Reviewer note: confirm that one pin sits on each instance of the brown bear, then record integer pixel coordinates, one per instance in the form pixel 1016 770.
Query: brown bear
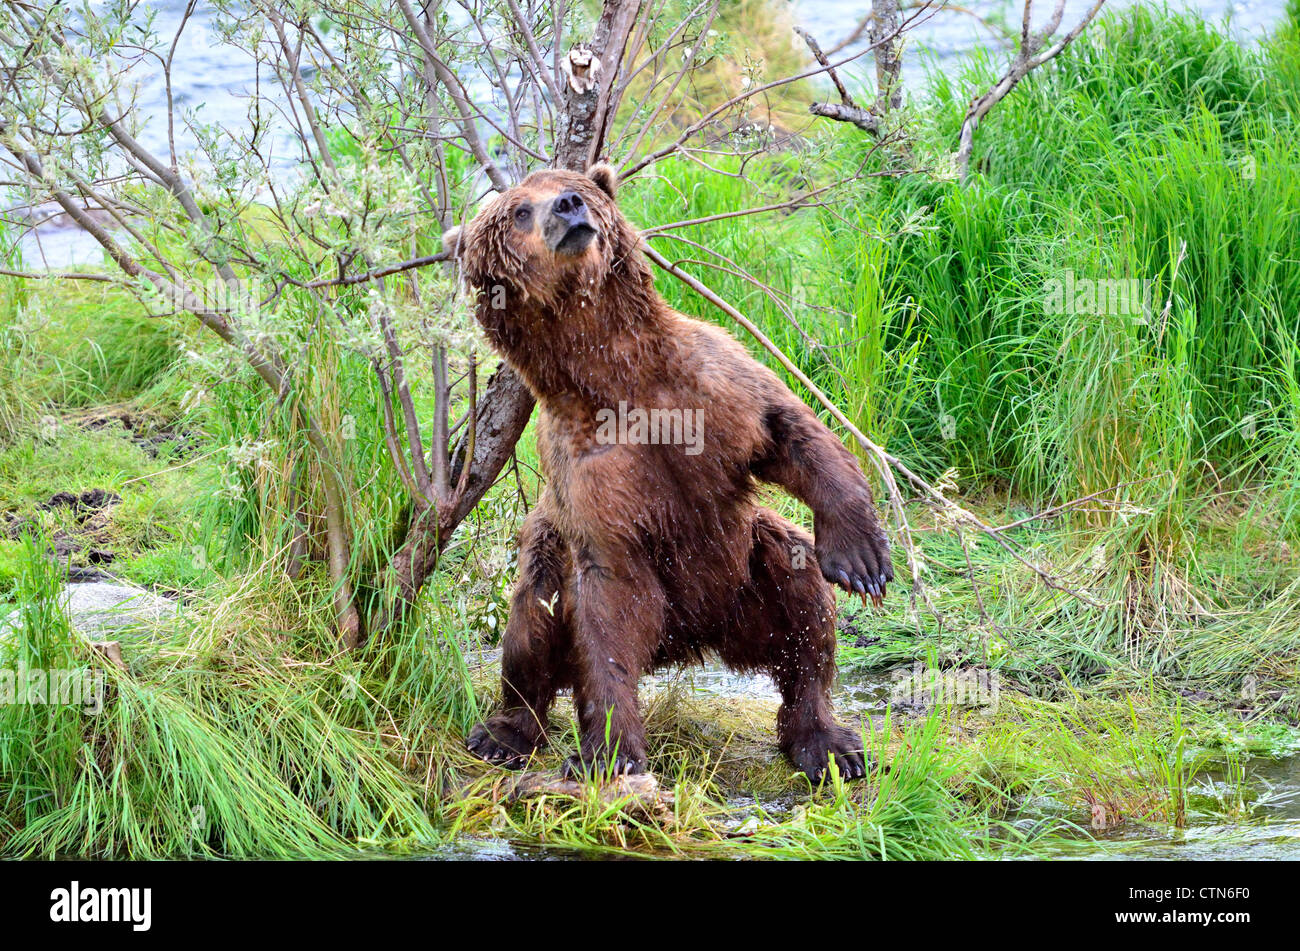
pixel 646 548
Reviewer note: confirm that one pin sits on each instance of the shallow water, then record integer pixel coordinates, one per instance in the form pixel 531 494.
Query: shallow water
pixel 1269 828
pixel 1271 832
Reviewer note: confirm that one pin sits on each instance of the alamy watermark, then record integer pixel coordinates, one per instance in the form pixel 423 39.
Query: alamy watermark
pixel 651 427
pixel 80 687
pixel 239 298
pixel 1122 296
pixel 79 903
pixel 921 687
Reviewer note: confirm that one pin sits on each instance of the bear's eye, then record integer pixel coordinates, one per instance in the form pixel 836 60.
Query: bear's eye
pixel 523 216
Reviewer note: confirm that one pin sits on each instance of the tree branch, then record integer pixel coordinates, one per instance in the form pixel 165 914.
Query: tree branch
pixel 1029 57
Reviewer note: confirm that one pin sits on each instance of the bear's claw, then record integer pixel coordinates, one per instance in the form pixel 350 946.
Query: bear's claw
pixel 812 754
pixel 501 743
pixel 862 568
pixel 579 766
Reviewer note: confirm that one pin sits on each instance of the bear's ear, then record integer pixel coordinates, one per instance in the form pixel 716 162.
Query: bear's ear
pixel 451 240
pixel 606 179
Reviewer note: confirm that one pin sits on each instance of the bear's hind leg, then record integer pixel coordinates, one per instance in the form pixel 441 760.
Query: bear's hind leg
pixel 618 620
pixel 785 624
pixel 534 650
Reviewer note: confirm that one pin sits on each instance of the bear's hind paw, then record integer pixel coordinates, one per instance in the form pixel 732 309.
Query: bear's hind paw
pixel 500 742
pixel 812 754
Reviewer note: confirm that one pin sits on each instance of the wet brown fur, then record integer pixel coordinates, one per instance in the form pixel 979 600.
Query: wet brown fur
pixel 639 556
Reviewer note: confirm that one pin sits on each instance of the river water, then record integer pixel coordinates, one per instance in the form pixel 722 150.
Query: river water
pixel 946 36
pixel 212 80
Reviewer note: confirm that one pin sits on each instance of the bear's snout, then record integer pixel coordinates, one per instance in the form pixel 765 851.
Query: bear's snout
pixel 568 227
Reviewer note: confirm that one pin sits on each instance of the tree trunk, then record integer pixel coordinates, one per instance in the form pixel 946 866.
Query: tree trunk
pixel 889 55
pixel 591 99
pixel 502 415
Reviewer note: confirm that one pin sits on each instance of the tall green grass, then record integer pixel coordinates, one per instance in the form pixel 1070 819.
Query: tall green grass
pixel 68 346
pixel 1151 134
pixel 195 752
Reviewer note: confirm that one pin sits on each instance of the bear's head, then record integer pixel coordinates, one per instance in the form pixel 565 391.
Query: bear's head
pixel 554 237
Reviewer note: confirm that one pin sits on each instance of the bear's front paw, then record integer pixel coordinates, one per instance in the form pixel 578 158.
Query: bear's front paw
pixel 813 751
pixel 600 765
pixel 501 742
pixel 859 563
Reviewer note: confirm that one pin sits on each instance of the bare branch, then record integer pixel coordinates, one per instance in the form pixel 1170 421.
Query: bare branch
pixel 539 65
pixel 439 71
pixel 864 119
pixel 1029 57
